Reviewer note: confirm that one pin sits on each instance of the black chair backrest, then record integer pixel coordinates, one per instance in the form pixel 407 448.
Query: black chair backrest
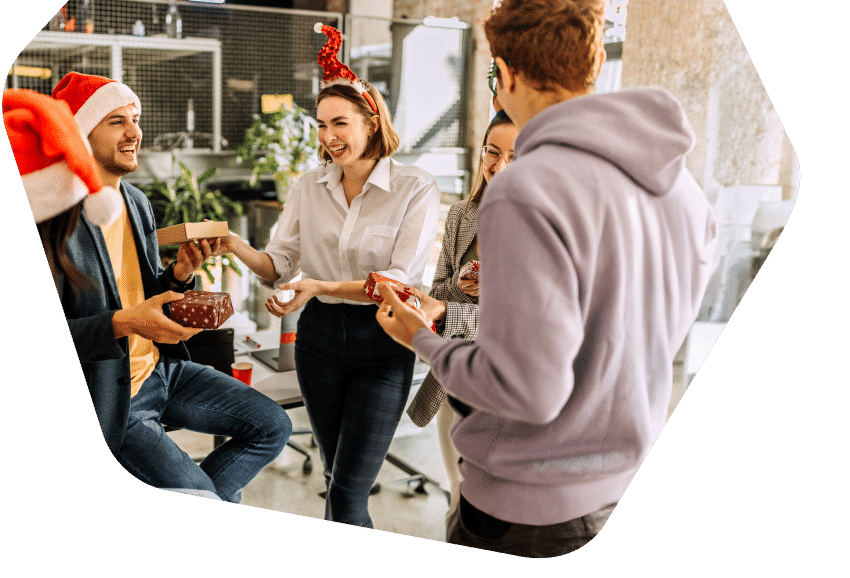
pixel 212 347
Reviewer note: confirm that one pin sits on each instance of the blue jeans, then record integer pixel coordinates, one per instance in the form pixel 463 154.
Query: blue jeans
pixel 195 397
pixel 355 381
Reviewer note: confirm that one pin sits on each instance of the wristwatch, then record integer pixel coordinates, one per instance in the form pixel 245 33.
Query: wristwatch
pixel 184 285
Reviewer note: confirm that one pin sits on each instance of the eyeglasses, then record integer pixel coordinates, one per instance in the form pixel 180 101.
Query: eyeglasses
pixel 493 75
pixel 491 156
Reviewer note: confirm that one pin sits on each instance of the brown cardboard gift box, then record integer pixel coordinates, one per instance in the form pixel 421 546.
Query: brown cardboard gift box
pixel 183 232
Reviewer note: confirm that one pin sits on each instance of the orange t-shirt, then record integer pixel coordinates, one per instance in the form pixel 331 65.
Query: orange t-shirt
pixel 125 265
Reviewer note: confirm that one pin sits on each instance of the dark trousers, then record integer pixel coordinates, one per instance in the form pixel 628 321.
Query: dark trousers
pixel 469 526
pixel 355 381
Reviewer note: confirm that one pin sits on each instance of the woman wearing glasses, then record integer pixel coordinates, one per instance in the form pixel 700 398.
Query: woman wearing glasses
pixel 453 302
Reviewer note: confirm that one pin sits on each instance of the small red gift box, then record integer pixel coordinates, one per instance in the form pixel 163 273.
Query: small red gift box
pixel 202 309
pixel 470 271
pixel 402 290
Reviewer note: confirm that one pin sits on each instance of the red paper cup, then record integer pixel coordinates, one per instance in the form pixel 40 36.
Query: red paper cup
pixel 242 371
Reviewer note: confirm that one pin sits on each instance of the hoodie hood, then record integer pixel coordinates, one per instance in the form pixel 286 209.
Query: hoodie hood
pixel 643 131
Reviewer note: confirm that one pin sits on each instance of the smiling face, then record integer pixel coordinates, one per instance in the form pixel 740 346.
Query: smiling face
pixel 501 140
pixel 343 131
pixel 115 141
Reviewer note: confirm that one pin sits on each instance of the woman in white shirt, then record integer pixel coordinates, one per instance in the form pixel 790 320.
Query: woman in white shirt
pixel 358 213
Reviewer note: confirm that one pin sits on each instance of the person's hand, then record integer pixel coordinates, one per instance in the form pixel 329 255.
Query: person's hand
pixel 398 319
pixel 148 320
pixel 305 290
pixel 224 245
pixel 434 309
pixel 191 255
pixel 468 286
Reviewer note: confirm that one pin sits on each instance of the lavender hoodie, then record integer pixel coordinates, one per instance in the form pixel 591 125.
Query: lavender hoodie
pixel 595 250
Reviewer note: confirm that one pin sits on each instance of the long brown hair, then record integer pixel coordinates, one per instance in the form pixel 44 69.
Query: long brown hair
pixel 384 142
pixel 54 235
pixel 480 183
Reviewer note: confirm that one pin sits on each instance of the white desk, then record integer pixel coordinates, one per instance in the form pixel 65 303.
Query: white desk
pixel 282 386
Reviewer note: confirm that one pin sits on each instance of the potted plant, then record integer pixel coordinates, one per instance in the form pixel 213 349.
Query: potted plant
pixel 283 144
pixel 186 201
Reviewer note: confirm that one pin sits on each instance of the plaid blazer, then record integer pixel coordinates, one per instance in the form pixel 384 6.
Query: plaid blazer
pixel 461 319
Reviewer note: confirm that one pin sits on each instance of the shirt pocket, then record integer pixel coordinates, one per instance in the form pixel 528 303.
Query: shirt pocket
pixel 376 246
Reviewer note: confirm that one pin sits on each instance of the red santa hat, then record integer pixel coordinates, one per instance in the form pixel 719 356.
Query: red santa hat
pixel 54 159
pixel 91 98
pixel 335 71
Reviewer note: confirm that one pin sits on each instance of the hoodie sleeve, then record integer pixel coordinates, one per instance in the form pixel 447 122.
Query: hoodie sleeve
pixel 530 321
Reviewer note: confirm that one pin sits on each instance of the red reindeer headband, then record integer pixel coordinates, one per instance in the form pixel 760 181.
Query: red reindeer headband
pixel 335 71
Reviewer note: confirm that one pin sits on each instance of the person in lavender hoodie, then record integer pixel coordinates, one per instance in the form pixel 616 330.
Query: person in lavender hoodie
pixel 596 245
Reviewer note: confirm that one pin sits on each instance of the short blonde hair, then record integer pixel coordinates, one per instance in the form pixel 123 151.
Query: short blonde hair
pixel 384 142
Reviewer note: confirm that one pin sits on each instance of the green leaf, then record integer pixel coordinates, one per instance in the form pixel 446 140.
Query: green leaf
pixel 206 268
pixel 208 174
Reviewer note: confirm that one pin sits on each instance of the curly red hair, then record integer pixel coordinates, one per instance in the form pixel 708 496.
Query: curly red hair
pixel 549 41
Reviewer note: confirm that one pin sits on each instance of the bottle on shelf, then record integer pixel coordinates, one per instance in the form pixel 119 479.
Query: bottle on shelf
pixel 70 24
pixel 85 18
pixel 173 21
pixel 57 24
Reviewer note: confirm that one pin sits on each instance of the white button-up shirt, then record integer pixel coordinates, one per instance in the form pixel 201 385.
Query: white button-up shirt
pixel 389 228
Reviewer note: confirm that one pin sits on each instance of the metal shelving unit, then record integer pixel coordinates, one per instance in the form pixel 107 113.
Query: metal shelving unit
pixel 119 56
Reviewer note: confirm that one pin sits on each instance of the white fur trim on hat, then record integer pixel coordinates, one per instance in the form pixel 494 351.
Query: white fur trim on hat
pixel 104 206
pixel 104 100
pixel 52 190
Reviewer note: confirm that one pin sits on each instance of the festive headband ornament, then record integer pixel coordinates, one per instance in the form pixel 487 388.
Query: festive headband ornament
pixel 335 71
pixel 54 159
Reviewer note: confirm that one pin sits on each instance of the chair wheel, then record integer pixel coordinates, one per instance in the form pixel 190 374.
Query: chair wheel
pixel 307 467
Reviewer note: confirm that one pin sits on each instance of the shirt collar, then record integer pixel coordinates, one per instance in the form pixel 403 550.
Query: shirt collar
pixel 380 175
pixel 332 176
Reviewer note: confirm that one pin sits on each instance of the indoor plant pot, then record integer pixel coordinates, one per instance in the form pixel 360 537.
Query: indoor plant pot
pixel 283 144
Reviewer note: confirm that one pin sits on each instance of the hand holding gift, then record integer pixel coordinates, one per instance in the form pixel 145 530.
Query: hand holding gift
pixel 433 308
pixel 402 290
pixel 148 320
pixel 198 242
pixel 398 319
pixel 405 294
pixel 202 309
pixel 468 278
pixel 470 270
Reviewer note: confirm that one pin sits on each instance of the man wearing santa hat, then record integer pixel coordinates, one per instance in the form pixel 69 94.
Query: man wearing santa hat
pixel 133 357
